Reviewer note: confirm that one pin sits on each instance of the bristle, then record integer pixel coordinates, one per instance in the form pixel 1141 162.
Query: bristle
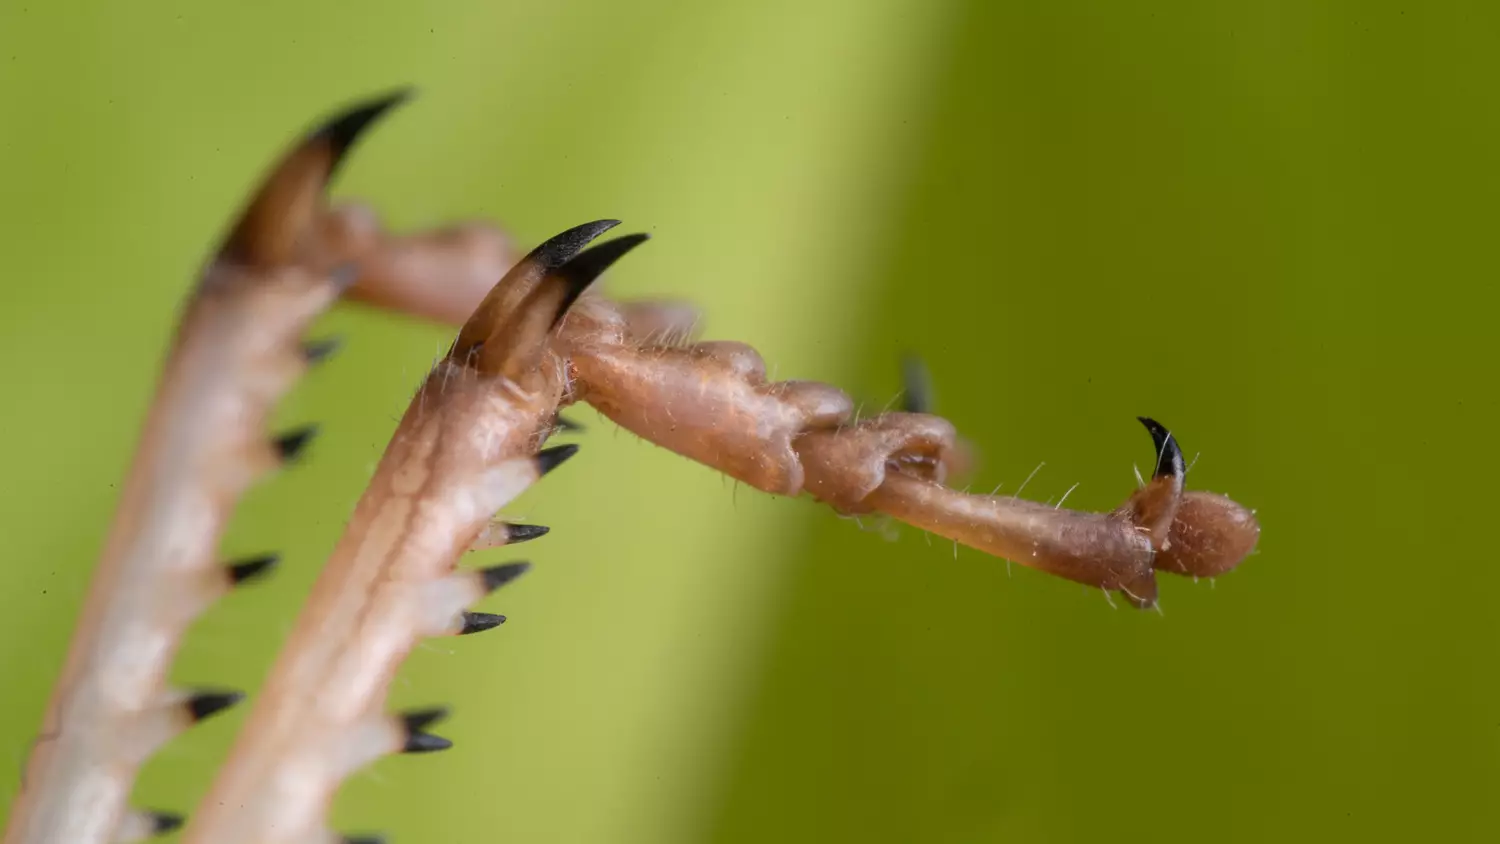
pixel 317 351
pixel 550 458
pixel 495 577
pixel 206 703
pixel 252 568
pixel 291 445
pixel 516 534
pixel 584 269
pixel 478 622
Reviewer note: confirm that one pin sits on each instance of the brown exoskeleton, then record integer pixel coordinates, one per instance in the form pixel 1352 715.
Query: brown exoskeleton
pixel 473 438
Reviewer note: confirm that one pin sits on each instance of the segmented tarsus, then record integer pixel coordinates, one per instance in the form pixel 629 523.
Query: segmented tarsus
pixel 711 402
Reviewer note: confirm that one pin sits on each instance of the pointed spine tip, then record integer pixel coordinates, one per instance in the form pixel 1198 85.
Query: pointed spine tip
pixel 317 351
pixel 550 458
pixel 478 622
pixel 206 703
pixel 516 534
pixel 252 568
pixel 343 130
pixel 165 822
pixel 425 743
pixel 417 720
pixel 1169 462
pixel 291 445
pixel 495 577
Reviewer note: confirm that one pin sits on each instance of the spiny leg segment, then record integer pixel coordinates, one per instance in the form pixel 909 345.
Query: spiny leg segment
pixel 467 445
pixel 236 352
pixel 238 348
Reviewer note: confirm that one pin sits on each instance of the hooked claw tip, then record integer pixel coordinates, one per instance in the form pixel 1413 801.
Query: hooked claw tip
pixel 550 458
pixel 416 720
pixel 342 131
pixel 1169 462
pixel 585 268
pixel 559 249
pixel 284 211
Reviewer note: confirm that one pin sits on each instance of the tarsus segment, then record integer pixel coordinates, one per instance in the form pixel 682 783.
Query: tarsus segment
pixel 711 402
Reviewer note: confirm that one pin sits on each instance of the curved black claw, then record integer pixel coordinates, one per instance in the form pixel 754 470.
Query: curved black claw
pixel 283 212
pixel 478 622
pixel 495 577
pixel 550 458
pixel 585 268
pixel 252 568
pixel 560 248
pixel 415 722
pixel 563 423
pixel 211 702
pixel 516 534
pixel 317 351
pixel 1169 463
pixel 511 331
pixel 292 444
pixel 344 129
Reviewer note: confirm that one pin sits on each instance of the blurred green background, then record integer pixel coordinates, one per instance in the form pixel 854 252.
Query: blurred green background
pixel 1268 224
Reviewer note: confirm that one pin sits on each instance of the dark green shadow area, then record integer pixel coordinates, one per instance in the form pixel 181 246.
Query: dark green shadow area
pixel 1269 225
